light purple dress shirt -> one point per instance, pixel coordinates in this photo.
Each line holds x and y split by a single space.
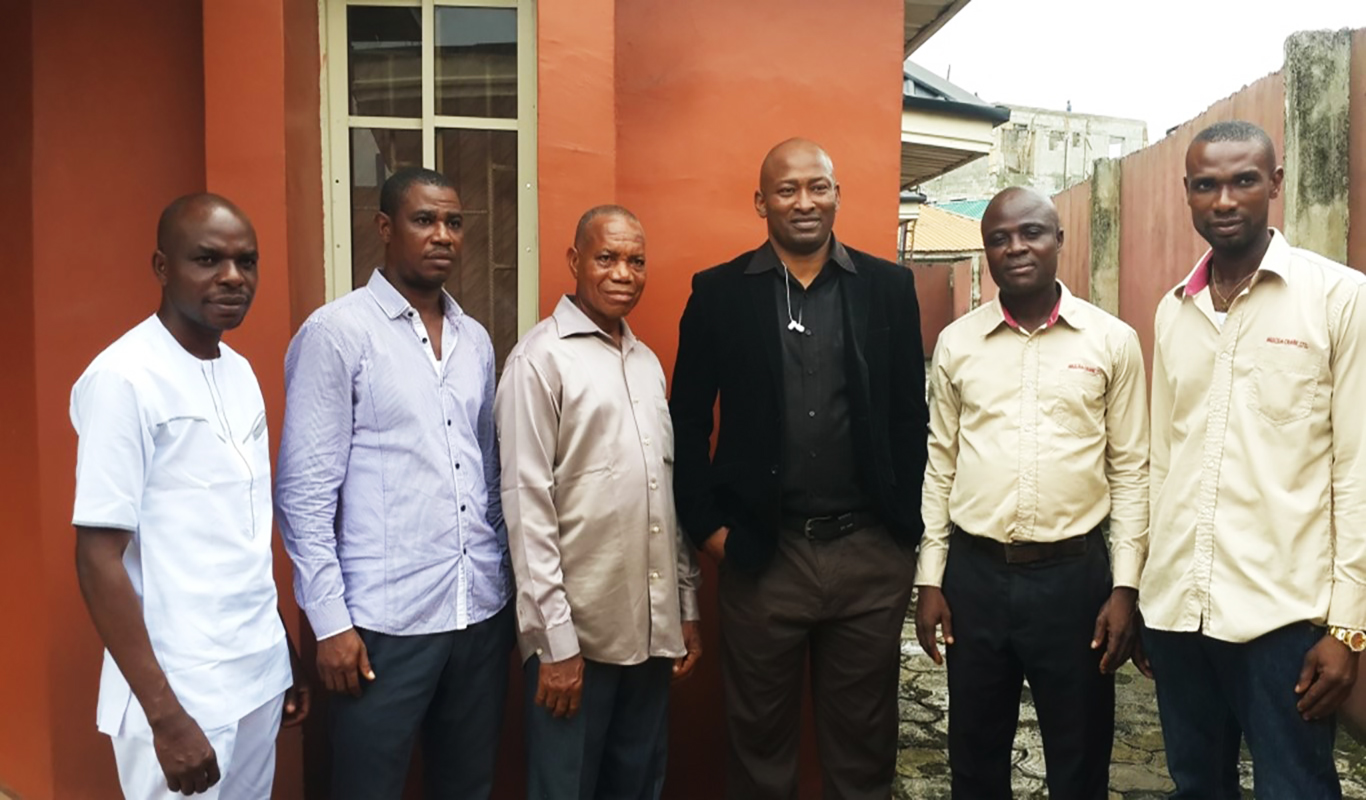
387 485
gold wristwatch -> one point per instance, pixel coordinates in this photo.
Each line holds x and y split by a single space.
1354 639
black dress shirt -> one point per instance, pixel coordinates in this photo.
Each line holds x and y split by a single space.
819 472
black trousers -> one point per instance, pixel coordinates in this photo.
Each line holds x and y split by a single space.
1013 622
614 748
449 687
836 606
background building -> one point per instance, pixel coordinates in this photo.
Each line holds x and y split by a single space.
1047 150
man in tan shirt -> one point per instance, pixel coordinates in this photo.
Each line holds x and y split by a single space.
1258 489
1037 433
606 589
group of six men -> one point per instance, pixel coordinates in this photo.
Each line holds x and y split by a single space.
433 515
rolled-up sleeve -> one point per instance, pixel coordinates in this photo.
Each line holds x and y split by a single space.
527 411
315 448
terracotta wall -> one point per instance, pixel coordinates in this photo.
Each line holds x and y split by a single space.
25 753
117 131
1157 245
1074 262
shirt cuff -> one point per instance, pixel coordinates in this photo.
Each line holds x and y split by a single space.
690 610
1347 608
1127 567
329 619
929 568
555 644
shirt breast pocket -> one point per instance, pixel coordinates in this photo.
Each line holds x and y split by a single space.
1285 382
1077 401
666 431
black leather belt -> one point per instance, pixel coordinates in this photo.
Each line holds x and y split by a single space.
832 526
1029 552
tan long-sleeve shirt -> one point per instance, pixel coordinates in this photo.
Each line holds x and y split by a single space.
587 451
1258 453
1036 437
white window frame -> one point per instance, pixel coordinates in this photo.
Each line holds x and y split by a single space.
337 136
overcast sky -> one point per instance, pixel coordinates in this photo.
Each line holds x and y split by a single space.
1161 61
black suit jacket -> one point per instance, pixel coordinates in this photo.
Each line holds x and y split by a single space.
728 344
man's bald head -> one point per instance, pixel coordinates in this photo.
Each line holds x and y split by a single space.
189 210
582 230
1017 200
783 152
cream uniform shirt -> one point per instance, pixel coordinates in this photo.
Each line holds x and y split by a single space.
174 449
1258 453
1038 436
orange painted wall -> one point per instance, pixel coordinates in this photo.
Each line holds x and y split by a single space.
117 132
25 756
703 89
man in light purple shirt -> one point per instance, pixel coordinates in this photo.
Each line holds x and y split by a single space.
388 499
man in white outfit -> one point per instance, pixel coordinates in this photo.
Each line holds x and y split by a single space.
173 528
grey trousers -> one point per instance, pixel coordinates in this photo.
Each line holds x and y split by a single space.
614 748
449 687
839 605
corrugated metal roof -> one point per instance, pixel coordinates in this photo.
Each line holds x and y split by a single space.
940 231
972 209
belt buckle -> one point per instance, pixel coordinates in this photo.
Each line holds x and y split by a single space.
806 526
1012 550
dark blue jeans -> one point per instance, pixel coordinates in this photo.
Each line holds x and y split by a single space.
1208 692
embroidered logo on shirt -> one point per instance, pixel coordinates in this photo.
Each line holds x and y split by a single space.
1290 342
1085 368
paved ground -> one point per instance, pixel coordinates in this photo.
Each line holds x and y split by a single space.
1138 771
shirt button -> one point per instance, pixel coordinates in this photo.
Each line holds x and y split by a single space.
647 441
654 529
424 339
448 424
811 413
462 507
654 576
539 651
653 485
457 464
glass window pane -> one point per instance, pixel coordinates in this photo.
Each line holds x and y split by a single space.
483 167
384 61
375 155
476 62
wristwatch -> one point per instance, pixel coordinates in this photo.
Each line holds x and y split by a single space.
1354 639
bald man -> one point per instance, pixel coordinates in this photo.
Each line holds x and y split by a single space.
1038 433
809 504
173 527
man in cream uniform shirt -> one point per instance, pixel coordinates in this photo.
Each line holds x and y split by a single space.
1254 594
606 587
1037 433
173 527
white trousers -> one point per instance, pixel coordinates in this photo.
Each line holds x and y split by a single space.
245 750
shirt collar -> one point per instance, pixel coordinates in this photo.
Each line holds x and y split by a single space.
1276 260
766 258
1066 309
571 321
394 305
